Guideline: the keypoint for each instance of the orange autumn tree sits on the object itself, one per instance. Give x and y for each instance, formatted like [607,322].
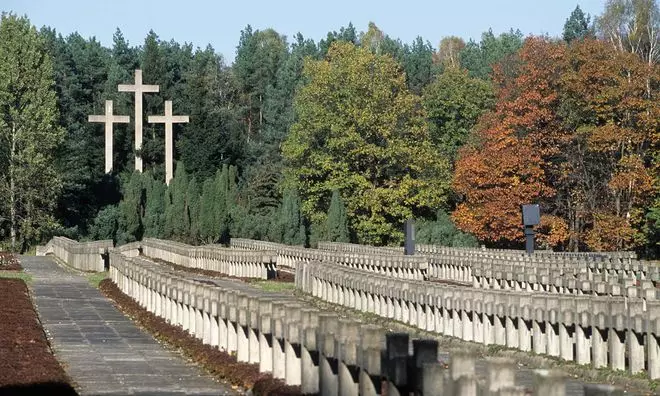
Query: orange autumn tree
[504,167]
[574,129]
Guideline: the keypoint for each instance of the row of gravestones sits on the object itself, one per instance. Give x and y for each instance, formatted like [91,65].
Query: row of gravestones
[478,268]
[316,350]
[228,260]
[84,256]
[616,332]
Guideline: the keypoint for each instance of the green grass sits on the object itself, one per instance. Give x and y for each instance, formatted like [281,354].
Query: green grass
[27,278]
[96,278]
[272,286]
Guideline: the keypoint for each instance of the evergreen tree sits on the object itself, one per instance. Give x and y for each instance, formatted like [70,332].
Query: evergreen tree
[207,212]
[337,223]
[105,224]
[154,213]
[211,94]
[292,224]
[479,58]
[221,211]
[194,206]
[131,210]
[29,132]
[443,232]
[179,186]
[577,26]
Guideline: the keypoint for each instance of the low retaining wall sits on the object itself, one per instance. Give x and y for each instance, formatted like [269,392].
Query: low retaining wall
[84,256]
[619,332]
[303,346]
[232,262]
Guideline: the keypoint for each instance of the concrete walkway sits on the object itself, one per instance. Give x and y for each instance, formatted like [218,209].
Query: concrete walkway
[101,349]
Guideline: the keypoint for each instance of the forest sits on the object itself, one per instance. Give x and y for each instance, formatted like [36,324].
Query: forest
[342,139]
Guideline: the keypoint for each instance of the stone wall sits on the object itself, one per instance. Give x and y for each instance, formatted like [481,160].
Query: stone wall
[233,262]
[303,346]
[84,256]
[616,331]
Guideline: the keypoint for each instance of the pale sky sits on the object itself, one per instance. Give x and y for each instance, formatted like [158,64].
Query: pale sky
[220,22]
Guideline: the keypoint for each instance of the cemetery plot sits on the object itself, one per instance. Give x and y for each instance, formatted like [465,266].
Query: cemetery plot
[27,365]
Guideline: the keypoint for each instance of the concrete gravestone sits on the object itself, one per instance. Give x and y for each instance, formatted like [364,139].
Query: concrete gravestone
[108,119]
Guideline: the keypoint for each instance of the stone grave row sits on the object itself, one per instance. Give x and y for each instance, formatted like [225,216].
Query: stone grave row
[304,346]
[604,331]
[397,266]
[84,256]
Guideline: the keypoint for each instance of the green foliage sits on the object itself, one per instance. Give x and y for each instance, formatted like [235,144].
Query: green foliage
[337,222]
[289,226]
[207,211]
[178,188]
[29,133]
[193,202]
[106,224]
[211,94]
[130,210]
[479,58]
[454,101]
[577,26]
[359,129]
[443,232]
[154,212]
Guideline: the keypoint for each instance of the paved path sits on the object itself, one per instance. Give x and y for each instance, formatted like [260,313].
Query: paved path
[101,349]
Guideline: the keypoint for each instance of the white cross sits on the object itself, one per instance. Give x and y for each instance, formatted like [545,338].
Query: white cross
[108,119]
[168,119]
[139,89]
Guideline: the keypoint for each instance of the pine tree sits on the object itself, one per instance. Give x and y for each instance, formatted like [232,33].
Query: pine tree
[577,26]
[29,132]
[337,223]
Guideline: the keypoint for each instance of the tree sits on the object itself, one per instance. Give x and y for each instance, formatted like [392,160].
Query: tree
[454,101]
[29,132]
[131,209]
[207,212]
[213,136]
[106,224]
[258,57]
[449,50]
[504,166]
[478,58]
[193,205]
[289,226]
[632,26]
[178,188]
[443,232]
[154,211]
[337,222]
[577,26]
[359,129]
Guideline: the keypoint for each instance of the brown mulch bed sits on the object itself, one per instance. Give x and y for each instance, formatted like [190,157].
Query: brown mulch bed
[220,364]
[280,277]
[27,365]
[9,262]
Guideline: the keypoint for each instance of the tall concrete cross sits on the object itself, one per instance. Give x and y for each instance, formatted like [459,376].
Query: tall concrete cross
[168,119]
[139,89]
[108,119]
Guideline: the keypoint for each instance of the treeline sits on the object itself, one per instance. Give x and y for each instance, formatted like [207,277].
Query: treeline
[343,139]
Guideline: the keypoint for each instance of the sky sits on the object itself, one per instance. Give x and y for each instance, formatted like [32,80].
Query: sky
[219,23]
